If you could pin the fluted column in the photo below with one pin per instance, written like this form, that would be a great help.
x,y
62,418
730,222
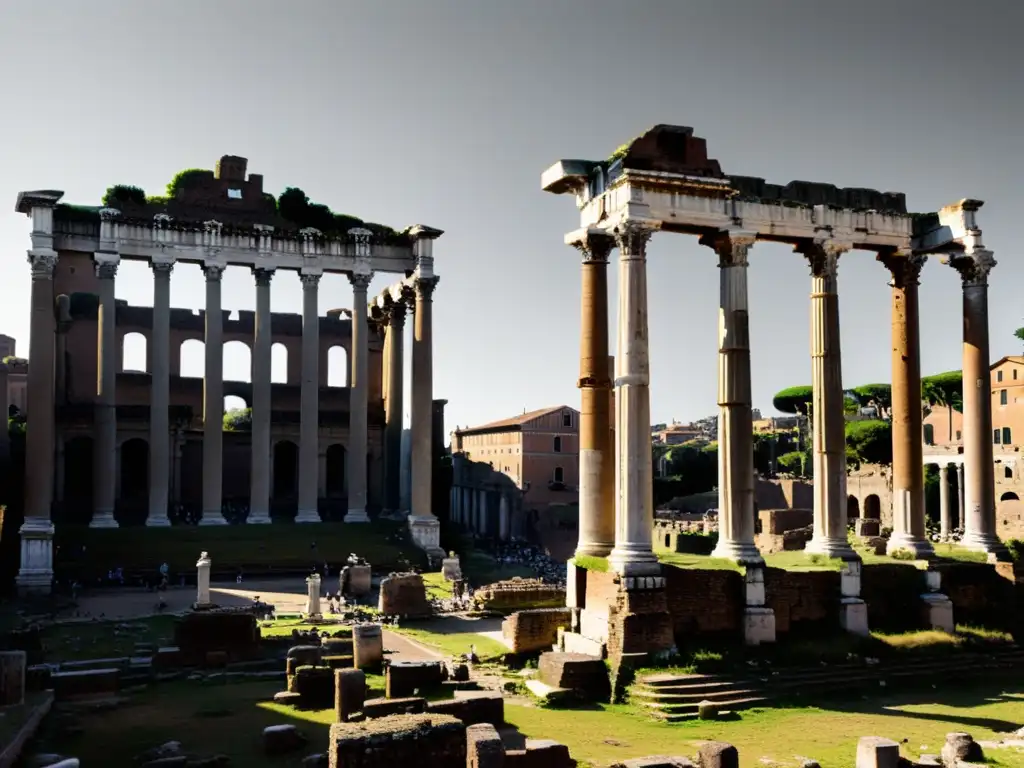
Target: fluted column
x,y
907,416
827,403
735,428
597,452
634,511
259,487
309,408
35,572
358,401
961,510
422,399
979,486
159,401
213,401
105,413
393,406
946,521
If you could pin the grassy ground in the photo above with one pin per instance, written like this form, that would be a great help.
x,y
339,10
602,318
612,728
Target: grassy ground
x,y
104,639
437,587
248,547
480,568
285,627
453,636
200,716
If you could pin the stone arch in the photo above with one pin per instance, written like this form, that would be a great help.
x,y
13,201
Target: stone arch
x,y
78,478
192,358
237,360
1008,472
873,507
134,471
1009,496
336,462
337,366
135,352
852,507
278,363
286,470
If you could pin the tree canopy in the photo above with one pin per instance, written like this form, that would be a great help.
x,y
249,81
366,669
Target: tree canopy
x,y
869,441
945,389
238,420
796,400
881,394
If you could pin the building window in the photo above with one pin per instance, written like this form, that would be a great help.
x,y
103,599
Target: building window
x,y
1002,397
1007,436
234,194
999,375
566,419
995,436
558,445
1008,473
1014,374
958,434
558,475
929,434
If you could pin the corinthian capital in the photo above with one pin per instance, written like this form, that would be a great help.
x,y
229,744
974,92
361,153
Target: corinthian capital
x,y
632,238
310,279
732,246
396,313
106,270
43,263
425,287
823,255
360,280
593,246
904,265
973,266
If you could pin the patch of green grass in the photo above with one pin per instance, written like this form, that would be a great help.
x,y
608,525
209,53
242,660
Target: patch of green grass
x,y
285,627
701,562
591,563
104,639
802,561
480,568
453,636
948,551
438,588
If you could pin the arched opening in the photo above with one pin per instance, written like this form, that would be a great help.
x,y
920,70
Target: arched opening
x,y
558,445
1009,496
237,416
335,479
278,363
1008,473
852,508
337,367
873,507
559,475
192,358
78,479
929,434
668,540
135,471
286,470
133,353
237,361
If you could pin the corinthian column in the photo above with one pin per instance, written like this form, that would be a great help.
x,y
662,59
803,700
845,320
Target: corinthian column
x,y
259,488
907,429
393,407
35,573
597,451
827,403
309,410
159,402
634,511
735,428
979,486
961,509
945,511
213,401
105,413
358,401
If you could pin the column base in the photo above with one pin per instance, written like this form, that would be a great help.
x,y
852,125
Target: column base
x,y
983,542
261,517
594,548
308,516
104,519
853,616
35,574
633,560
743,552
426,534
938,611
158,521
758,625
356,516
919,546
213,517
838,548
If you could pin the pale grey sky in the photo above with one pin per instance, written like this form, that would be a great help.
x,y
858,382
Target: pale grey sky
x,y
446,112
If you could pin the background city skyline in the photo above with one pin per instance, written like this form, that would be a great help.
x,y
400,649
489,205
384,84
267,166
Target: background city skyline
x,y
446,115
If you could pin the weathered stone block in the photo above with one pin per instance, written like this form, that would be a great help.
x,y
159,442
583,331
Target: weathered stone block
x,y
404,678
316,687
961,748
305,655
336,646
282,739
758,626
472,707
853,616
535,629
655,761
540,753
234,632
938,610
718,754
867,527
425,741
349,693
876,752
12,677
849,579
587,675
408,705
167,657
754,583
451,569
403,594
368,646
483,747
89,682
519,594
575,586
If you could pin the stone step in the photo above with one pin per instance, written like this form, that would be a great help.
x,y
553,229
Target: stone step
x,y
677,712
688,687
685,699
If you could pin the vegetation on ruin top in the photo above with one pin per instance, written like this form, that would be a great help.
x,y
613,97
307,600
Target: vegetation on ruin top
x,y
591,563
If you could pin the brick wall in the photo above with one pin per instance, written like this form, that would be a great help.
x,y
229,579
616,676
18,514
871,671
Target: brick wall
x,y
803,601
980,595
534,630
602,590
704,603
893,594
639,622
518,593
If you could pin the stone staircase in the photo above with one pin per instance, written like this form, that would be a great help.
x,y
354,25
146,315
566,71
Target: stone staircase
x,y
674,698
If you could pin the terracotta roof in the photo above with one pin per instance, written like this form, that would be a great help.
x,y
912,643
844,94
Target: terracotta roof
x,y
1009,358
515,421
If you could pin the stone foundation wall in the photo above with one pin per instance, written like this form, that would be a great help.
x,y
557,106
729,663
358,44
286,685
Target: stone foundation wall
x,y
982,596
516,594
403,594
534,630
704,603
602,590
893,594
426,741
1009,515
803,601
639,621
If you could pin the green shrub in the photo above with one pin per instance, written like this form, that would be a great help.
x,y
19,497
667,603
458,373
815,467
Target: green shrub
x,y
591,563
184,179
123,193
792,462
